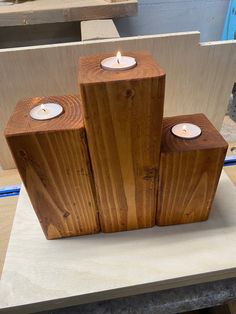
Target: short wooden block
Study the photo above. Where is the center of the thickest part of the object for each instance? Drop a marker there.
(123, 114)
(189, 172)
(53, 161)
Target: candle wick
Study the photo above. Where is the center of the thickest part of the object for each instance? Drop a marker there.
(43, 108)
(118, 61)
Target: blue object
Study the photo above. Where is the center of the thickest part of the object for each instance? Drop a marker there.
(14, 190)
(9, 191)
(229, 31)
(230, 161)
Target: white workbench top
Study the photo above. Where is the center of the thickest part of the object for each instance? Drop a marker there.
(60, 273)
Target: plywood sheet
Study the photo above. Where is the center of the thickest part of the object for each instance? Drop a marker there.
(7, 211)
(98, 29)
(53, 11)
(41, 274)
(199, 76)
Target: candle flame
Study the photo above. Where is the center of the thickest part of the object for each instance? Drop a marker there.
(184, 128)
(42, 107)
(118, 57)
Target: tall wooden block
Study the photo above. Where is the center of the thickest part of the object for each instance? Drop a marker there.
(123, 114)
(189, 172)
(53, 161)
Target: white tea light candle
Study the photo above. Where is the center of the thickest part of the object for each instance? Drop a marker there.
(46, 111)
(186, 130)
(118, 63)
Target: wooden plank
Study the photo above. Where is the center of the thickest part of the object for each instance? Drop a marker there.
(53, 11)
(98, 29)
(9, 177)
(40, 274)
(189, 172)
(53, 161)
(123, 113)
(199, 76)
(113, 1)
(39, 34)
(7, 211)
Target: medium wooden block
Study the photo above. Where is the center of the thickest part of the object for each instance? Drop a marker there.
(189, 172)
(53, 161)
(123, 114)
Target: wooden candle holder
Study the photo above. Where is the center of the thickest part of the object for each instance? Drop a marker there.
(53, 161)
(189, 172)
(123, 113)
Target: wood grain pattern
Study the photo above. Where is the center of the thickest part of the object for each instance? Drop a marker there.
(52, 158)
(200, 76)
(40, 275)
(123, 116)
(114, 1)
(7, 211)
(53, 11)
(189, 172)
(98, 29)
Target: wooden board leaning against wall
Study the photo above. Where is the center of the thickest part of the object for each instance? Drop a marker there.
(199, 76)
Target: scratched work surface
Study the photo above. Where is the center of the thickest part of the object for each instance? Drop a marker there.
(42, 274)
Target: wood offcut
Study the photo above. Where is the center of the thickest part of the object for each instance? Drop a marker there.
(54, 11)
(189, 172)
(53, 161)
(123, 114)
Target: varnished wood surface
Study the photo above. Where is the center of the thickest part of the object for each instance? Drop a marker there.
(123, 117)
(20, 121)
(209, 138)
(188, 64)
(189, 172)
(42, 275)
(53, 161)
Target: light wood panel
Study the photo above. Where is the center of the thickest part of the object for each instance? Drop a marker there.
(123, 113)
(9, 177)
(113, 1)
(52, 11)
(7, 212)
(104, 266)
(53, 161)
(98, 29)
(231, 170)
(199, 76)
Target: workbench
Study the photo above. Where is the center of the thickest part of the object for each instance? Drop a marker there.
(55, 11)
(41, 275)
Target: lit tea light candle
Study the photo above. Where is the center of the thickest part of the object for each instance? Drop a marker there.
(118, 63)
(186, 130)
(46, 111)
